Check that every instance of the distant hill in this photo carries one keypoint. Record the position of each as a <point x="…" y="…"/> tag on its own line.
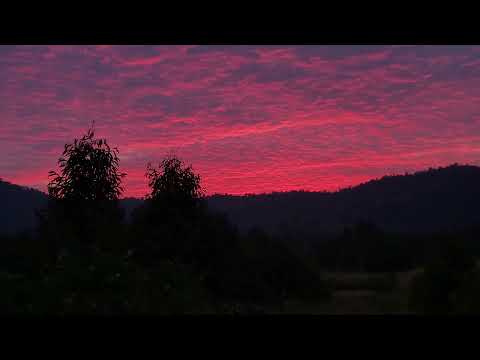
<point x="431" y="200"/>
<point x="17" y="207"/>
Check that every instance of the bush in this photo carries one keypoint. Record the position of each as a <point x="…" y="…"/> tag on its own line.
<point x="446" y="281"/>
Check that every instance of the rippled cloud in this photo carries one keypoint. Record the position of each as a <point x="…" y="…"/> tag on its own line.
<point x="248" y="118"/>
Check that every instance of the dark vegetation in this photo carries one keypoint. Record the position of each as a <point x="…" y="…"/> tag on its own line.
<point x="446" y="198"/>
<point x="179" y="251"/>
<point x="17" y="210"/>
<point x="173" y="257"/>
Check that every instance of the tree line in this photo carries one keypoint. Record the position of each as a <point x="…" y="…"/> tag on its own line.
<point x="174" y="257"/>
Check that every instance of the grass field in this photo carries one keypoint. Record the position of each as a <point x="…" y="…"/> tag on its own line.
<point x="360" y="293"/>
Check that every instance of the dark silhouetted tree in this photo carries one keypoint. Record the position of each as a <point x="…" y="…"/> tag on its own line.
<point x="83" y="196"/>
<point x="88" y="171"/>
<point x="165" y="224"/>
<point x="448" y="276"/>
<point x="173" y="183"/>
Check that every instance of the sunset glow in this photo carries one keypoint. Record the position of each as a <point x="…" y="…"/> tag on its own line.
<point x="249" y="119"/>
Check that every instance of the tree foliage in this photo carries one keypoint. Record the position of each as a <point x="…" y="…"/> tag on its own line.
<point x="83" y="197"/>
<point x="173" y="182"/>
<point x="448" y="282"/>
<point x="88" y="171"/>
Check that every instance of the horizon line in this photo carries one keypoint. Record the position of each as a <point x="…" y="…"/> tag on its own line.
<point x="282" y="192"/>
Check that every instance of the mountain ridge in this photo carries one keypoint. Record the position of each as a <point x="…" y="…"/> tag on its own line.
<point x="427" y="200"/>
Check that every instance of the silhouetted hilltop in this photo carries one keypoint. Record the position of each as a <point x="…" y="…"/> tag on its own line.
<point x="430" y="200"/>
<point x="17" y="207"/>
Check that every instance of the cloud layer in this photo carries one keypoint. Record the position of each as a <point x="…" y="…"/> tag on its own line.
<point x="249" y="119"/>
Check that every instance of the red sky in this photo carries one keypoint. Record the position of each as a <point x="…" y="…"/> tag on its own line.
<point x="249" y="119"/>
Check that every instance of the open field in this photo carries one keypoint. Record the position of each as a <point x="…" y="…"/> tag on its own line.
<point x="360" y="293"/>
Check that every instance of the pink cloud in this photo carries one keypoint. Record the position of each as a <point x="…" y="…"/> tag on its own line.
<point x="249" y="119"/>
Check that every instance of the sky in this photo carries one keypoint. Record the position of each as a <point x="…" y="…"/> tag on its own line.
<point x="249" y="119"/>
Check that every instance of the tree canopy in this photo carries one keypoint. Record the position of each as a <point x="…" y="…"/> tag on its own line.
<point x="89" y="170"/>
<point x="83" y="197"/>
<point x="172" y="181"/>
